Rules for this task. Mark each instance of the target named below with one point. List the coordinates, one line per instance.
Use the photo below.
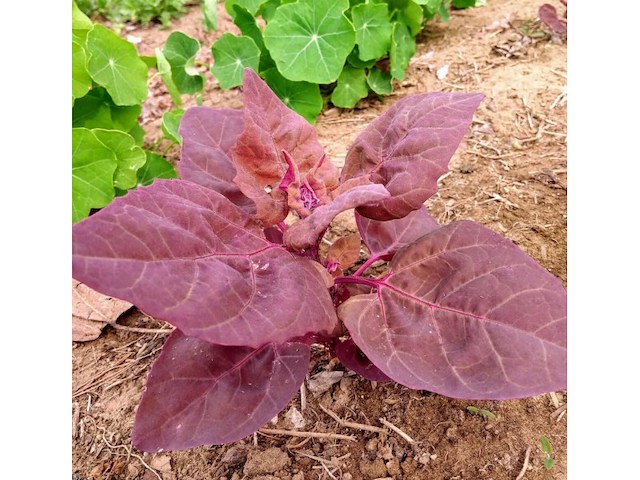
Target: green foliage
(545, 444)
(171, 123)
(109, 84)
(142, 11)
(481, 411)
(180, 51)
(310, 39)
(231, 56)
(343, 48)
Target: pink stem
(369, 282)
(370, 261)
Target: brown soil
(509, 174)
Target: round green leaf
(97, 110)
(80, 79)
(80, 25)
(379, 82)
(403, 46)
(310, 39)
(251, 6)
(155, 167)
(302, 97)
(373, 29)
(231, 56)
(92, 169)
(351, 87)
(249, 28)
(164, 69)
(129, 157)
(354, 59)
(171, 123)
(114, 64)
(412, 16)
(180, 51)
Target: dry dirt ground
(509, 174)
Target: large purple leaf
(207, 136)
(199, 393)
(306, 232)
(186, 254)
(352, 357)
(269, 129)
(384, 239)
(465, 313)
(408, 148)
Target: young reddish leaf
(384, 239)
(352, 357)
(306, 232)
(408, 148)
(207, 136)
(549, 16)
(344, 252)
(464, 313)
(269, 129)
(199, 393)
(186, 254)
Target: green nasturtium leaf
(155, 167)
(373, 29)
(210, 14)
(249, 28)
(412, 16)
(180, 51)
(92, 169)
(430, 8)
(164, 69)
(128, 155)
(351, 87)
(354, 59)
(251, 6)
(171, 123)
(97, 110)
(403, 46)
(463, 3)
(80, 79)
(310, 39)
(231, 56)
(302, 97)
(80, 24)
(379, 82)
(114, 64)
(150, 61)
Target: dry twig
(294, 433)
(525, 465)
(344, 423)
(397, 430)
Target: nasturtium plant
(180, 51)
(109, 84)
(230, 254)
(344, 48)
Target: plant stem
(369, 282)
(282, 226)
(370, 261)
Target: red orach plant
(229, 254)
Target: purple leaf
(408, 148)
(199, 393)
(384, 239)
(352, 357)
(269, 129)
(306, 232)
(207, 136)
(464, 313)
(185, 254)
(549, 16)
